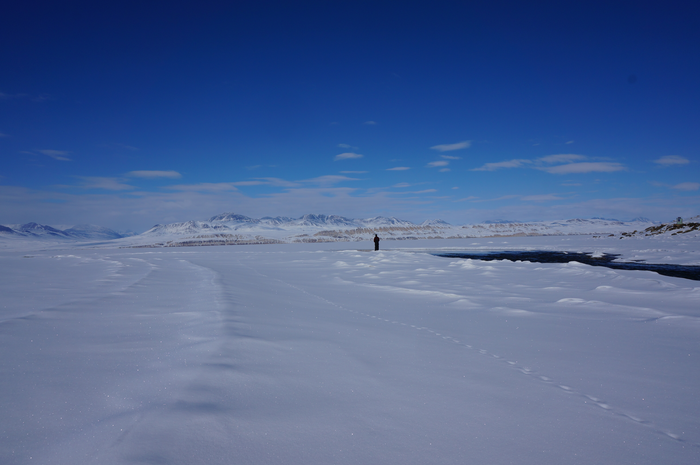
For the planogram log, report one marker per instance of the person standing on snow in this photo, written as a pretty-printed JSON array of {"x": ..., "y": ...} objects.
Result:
[{"x": 376, "y": 242}]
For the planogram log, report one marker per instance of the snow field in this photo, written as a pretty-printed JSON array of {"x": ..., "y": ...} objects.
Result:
[{"x": 327, "y": 354}]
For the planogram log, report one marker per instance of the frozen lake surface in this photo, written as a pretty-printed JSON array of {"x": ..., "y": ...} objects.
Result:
[{"x": 325, "y": 354}]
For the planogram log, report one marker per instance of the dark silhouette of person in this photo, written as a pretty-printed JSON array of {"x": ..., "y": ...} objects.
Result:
[{"x": 376, "y": 242}]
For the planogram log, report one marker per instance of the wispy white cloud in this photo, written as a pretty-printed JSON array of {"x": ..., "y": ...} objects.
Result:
[
  {"x": 561, "y": 158},
  {"x": 205, "y": 187},
  {"x": 670, "y": 160},
  {"x": 232, "y": 186},
  {"x": 568, "y": 163},
  {"x": 155, "y": 174},
  {"x": 256, "y": 182},
  {"x": 56, "y": 154},
  {"x": 444, "y": 170},
  {"x": 570, "y": 142},
  {"x": 329, "y": 180},
  {"x": 401, "y": 184},
  {"x": 687, "y": 186},
  {"x": 347, "y": 155},
  {"x": 109, "y": 184},
  {"x": 354, "y": 172},
  {"x": 277, "y": 182},
  {"x": 434, "y": 164},
  {"x": 450, "y": 157},
  {"x": 467, "y": 199},
  {"x": 424, "y": 191},
  {"x": 399, "y": 168},
  {"x": 449, "y": 147},
  {"x": 585, "y": 167},
  {"x": 2, "y": 134},
  {"x": 517, "y": 163}
]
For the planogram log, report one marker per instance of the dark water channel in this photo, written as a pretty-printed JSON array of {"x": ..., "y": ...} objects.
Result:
[{"x": 544, "y": 256}]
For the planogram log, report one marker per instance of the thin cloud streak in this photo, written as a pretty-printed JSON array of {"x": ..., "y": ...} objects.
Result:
[
  {"x": 561, "y": 158},
  {"x": 572, "y": 164},
  {"x": 347, "y": 155},
  {"x": 517, "y": 163},
  {"x": 585, "y": 167},
  {"x": 687, "y": 186},
  {"x": 104, "y": 183},
  {"x": 277, "y": 182},
  {"x": 155, "y": 174},
  {"x": 449, "y": 147},
  {"x": 329, "y": 180},
  {"x": 670, "y": 160},
  {"x": 56, "y": 154},
  {"x": 205, "y": 187},
  {"x": 434, "y": 164}
]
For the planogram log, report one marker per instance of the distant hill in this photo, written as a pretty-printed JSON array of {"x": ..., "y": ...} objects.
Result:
[
  {"x": 687, "y": 228},
  {"x": 42, "y": 231},
  {"x": 231, "y": 228}
]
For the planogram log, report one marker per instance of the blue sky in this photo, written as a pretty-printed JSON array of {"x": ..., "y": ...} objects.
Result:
[{"x": 127, "y": 115}]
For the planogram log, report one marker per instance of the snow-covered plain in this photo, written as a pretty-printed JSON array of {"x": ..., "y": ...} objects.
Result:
[{"x": 331, "y": 353}]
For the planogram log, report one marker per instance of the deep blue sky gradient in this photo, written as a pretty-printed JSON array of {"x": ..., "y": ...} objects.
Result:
[{"x": 128, "y": 114}]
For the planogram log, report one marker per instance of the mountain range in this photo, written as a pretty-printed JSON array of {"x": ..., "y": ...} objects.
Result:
[
  {"x": 232, "y": 228},
  {"x": 78, "y": 232}
]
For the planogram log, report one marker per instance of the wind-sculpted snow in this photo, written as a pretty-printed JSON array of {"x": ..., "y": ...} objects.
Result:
[{"x": 333, "y": 353}]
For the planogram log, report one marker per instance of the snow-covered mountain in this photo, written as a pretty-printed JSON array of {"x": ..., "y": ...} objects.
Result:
[
  {"x": 42, "y": 231},
  {"x": 91, "y": 231},
  {"x": 574, "y": 226},
  {"x": 188, "y": 227},
  {"x": 232, "y": 228}
]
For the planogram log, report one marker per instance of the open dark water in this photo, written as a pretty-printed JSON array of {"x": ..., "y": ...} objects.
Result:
[{"x": 544, "y": 256}]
